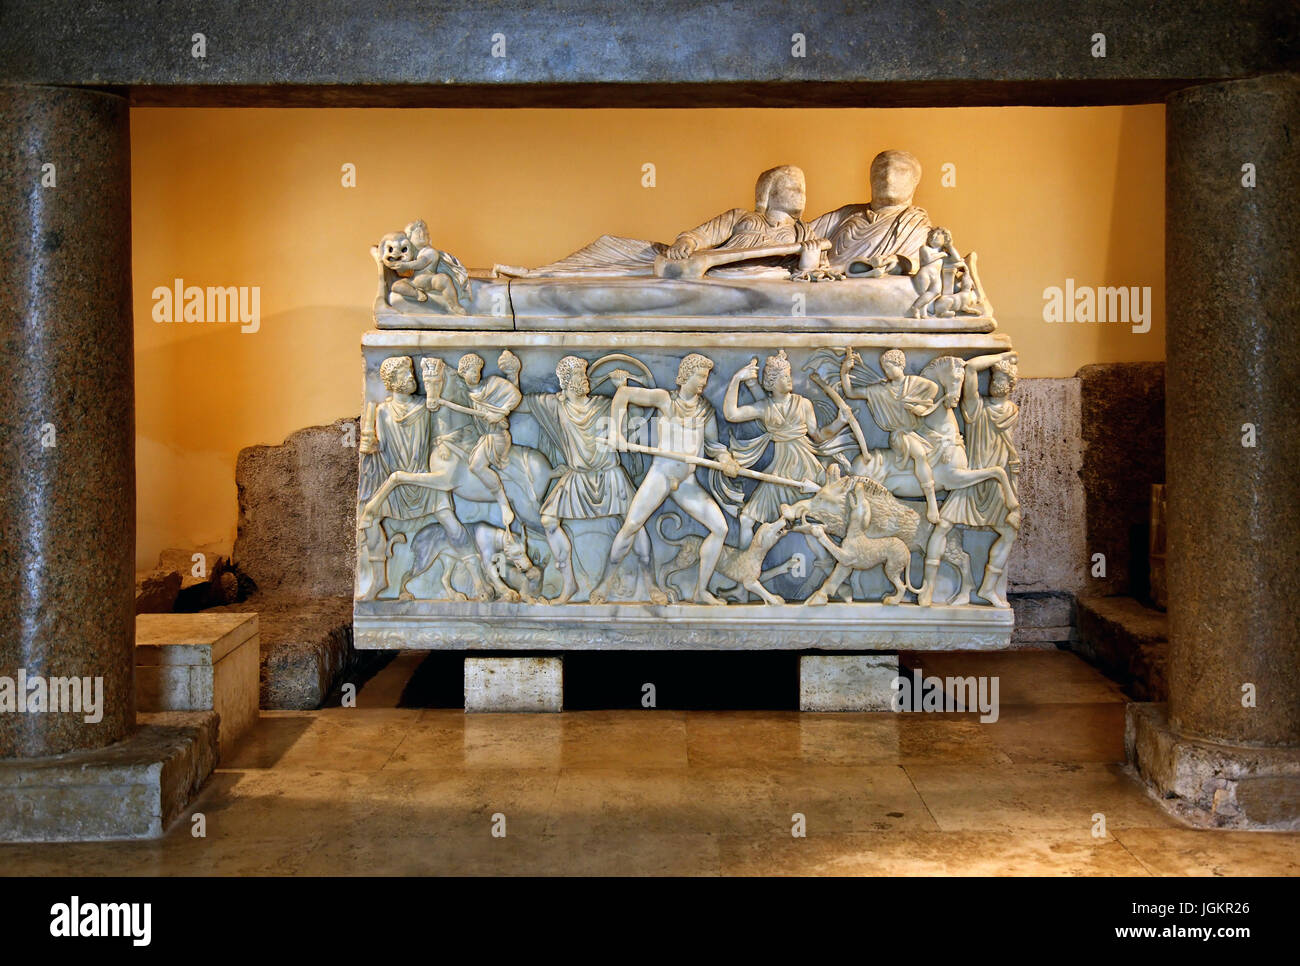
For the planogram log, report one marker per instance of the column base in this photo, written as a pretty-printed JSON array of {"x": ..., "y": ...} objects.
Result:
[
  {"x": 528, "y": 684},
  {"x": 133, "y": 789},
  {"x": 1212, "y": 785},
  {"x": 847, "y": 682}
]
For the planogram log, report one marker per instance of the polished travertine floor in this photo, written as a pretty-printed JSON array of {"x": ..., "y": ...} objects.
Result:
[{"x": 383, "y": 790}]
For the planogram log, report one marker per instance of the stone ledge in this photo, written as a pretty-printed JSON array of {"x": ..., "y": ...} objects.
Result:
[
  {"x": 867, "y": 626},
  {"x": 204, "y": 638},
  {"x": 1212, "y": 785},
  {"x": 1044, "y": 620},
  {"x": 431, "y": 340},
  {"x": 1126, "y": 641},
  {"x": 200, "y": 662},
  {"x": 133, "y": 789},
  {"x": 683, "y": 52},
  {"x": 306, "y": 646}
]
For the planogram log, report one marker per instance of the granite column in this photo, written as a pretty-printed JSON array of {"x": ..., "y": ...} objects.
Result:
[
  {"x": 1226, "y": 751},
  {"x": 67, "y": 422}
]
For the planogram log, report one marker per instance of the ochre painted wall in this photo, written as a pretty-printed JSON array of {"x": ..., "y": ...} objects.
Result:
[{"x": 254, "y": 198}]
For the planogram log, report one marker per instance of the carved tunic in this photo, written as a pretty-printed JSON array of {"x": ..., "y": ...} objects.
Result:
[
  {"x": 940, "y": 441},
  {"x": 494, "y": 396},
  {"x": 402, "y": 431},
  {"x": 593, "y": 483},
  {"x": 888, "y": 402},
  {"x": 794, "y": 455},
  {"x": 859, "y": 233},
  {"x": 988, "y": 443}
]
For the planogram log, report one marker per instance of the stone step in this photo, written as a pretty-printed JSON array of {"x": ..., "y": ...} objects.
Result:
[
  {"x": 1044, "y": 619},
  {"x": 1128, "y": 641},
  {"x": 200, "y": 662},
  {"x": 306, "y": 647}
]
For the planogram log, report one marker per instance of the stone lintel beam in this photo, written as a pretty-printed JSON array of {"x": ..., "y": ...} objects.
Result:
[{"x": 994, "y": 51}]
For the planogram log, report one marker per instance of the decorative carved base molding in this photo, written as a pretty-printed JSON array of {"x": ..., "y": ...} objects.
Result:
[{"x": 449, "y": 625}]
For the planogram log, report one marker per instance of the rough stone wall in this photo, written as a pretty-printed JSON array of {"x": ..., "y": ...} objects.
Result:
[
  {"x": 1123, "y": 427},
  {"x": 297, "y": 517},
  {"x": 1123, "y": 437}
]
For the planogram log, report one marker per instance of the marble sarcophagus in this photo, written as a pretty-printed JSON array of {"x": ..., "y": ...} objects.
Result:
[{"x": 769, "y": 433}]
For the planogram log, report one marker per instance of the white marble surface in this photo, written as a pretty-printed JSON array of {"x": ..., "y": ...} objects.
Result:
[
  {"x": 499, "y": 625},
  {"x": 847, "y": 682},
  {"x": 525, "y": 684}
]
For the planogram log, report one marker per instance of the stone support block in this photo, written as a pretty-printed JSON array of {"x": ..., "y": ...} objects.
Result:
[
  {"x": 514, "y": 684},
  {"x": 847, "y": 682}
]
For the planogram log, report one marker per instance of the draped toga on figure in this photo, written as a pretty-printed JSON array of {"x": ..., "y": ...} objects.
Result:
[
  {"x": 403, "y": 434},
  {"x": 786, "y": 425},
  {"x": 612, "y": 256},
  {"x": 861, "y": 236},
  {"x": 593, "y": 483},
  {"x": 988, "y": 443}
]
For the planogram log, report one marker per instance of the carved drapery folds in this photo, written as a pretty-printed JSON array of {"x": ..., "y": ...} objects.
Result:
[{"x": 479, "y": 480}]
